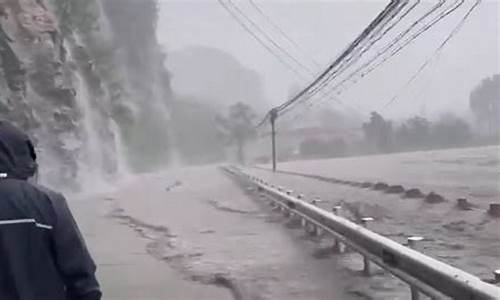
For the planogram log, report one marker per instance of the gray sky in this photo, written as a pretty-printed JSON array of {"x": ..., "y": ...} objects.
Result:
[{"x": 324, "y": 28}]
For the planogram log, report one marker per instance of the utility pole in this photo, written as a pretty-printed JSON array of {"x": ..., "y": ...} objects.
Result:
[{"x": 273, "y": 116}]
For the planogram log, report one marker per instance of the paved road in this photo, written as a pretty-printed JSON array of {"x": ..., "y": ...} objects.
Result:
[
  {"x": 192, "y": 233},
  {"x": 125, "y": 269},
  {"x": 205, "y": 227}
]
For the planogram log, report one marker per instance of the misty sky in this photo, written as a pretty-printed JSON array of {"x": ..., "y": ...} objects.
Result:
[{"x": 324, "y": 28}]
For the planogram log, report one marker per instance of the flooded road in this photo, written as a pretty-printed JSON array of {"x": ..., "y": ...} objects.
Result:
[
  {"x": 205, "y": 227},
  {"x": 468, "y": 239}
]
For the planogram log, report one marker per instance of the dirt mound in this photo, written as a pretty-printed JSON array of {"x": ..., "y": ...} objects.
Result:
[
  {"x": 381, "y": 186},
  {"x": 463, "y": 204},
  {"x": 434, "y": 198},
  {"x": 395, "y": 189},
  {"x": 414, "y": 193}
]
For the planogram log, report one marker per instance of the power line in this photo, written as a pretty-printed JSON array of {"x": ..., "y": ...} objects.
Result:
[
  {"x": 426, "y": 27},
  {"x": 288, "y": 38},
  {"x": 258, "y": 39},
  {"x": 412, "y": 38},
  {"x": 386, "y": 48},
  {"x": 436, "y": 53},
  {"x": 373, "y": 39},
  {"x": 387, "y": 29},
  {"x": 262, "y": 42},
  {"x": 377, "y": 35},
  {"x": 342, "y": 56},
  {"x": 346, "y": 55},
  {"x": 269, "y": 38},
  {"x": 284, "y": 34}
]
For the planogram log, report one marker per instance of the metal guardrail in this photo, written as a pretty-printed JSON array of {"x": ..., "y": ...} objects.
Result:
[{"x": 422, "y": 273}]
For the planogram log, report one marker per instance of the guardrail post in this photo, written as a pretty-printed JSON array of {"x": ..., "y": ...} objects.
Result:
[
  {"x": 366, "y": 261},
  {"x": 337, "y": 246},
  {"x": 316, "y": 230},
  {"x": 303, "y": 222},
  {"x": 412, "y": 243}
]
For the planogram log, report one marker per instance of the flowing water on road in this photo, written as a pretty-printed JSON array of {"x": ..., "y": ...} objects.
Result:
[{"x": 201, "y": 223}]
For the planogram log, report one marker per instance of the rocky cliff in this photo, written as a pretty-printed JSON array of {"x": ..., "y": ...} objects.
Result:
[{"x": 86, "y": 80}]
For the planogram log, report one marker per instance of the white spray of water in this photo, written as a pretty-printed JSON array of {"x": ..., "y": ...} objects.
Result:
[
  {"x": 90, "y": 162},
  {"x": 123, "y": 169},
  {"x": 174, "y": 156}
]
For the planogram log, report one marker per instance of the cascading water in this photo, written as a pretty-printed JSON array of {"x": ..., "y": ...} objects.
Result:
[
  {"x": 96, "y": 145},
  {"x": 123, "y": 169},
  {"x": 94, "y": 99},
  {"x": 90, "y": 158}
]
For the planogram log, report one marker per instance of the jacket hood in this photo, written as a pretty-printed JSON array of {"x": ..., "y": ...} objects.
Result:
[{"x": 17, "y": 154}]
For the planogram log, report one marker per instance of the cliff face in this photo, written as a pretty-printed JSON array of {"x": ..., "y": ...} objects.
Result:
[
  {"x": 141, "y": 60},
  {"x": 84, "y": 78}
]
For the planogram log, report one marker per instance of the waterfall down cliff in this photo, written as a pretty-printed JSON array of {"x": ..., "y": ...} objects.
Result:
[{"x": 86, "y": 80}]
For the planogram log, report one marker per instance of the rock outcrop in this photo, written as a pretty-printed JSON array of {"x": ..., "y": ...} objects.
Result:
[{"x": 85, "y": 87}]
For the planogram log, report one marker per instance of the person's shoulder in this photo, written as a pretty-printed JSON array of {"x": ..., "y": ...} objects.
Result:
[{"x": 52, "y": 195}]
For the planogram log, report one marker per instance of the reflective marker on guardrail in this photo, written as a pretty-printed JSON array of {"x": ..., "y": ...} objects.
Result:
[
  {"x": 413, "y": 240},
  {"x": 316, "y": 200}
]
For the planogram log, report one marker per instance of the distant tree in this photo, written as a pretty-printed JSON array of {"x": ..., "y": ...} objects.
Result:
[
  {"x": 484, "y": 102},
  {"x": 378, "y": 132},
  {"x": 237, "y": 127},
  {"x": 414, "y": 134},
  {"x": 451, "y": 131}
]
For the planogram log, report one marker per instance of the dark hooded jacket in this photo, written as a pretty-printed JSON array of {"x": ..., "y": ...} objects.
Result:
[{"x": 42, "y": 253}]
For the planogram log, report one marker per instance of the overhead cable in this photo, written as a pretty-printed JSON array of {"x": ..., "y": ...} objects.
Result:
[
  {"x": 342, "y": 56},
  {"x": 436, "y": 53}
]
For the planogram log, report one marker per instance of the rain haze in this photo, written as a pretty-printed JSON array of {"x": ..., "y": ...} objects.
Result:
[
  {"x": 323, "y": 29},
  {"x": 249, "y": 149}
]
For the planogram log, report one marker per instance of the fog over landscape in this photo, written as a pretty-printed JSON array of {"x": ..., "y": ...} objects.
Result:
[
  {"x": 324, "y": 28},
  {"x": 206, "y": 147}
]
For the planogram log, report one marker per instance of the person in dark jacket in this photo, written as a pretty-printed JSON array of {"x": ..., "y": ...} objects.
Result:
[{"x": 42, "y": 253}]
